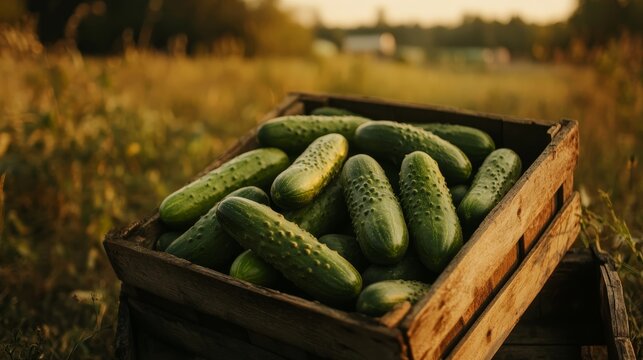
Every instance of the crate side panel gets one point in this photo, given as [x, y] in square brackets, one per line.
[284, 317]
[455, 289]
[487, 334]
[536, 228]
[566, 311]
[526, 140]
[195, 339]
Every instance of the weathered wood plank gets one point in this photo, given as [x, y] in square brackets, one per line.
[284, 317]
[392, 318]
[488, 332]
[536, 228]
[432, 319]
[193, 338]
[123, 344]
[614, 314]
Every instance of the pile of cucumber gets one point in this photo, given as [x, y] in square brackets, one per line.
[366, 215]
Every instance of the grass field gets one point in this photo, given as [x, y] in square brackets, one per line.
[89, 144]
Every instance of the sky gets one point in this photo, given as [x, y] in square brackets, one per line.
[428, 12]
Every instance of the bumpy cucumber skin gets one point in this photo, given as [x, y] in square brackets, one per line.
[388, 138]
[331, 111]
[205, 243]
[374, 210]
[475, 143]
[324, 214]
[166, 239]
[295, 253]
[379, 298]
[251, 268]
[302, 181]
[254, 168]
[431, 217]
[347, 246]
[295, 132]
[409, 268]
[457, 193]
[497, 174]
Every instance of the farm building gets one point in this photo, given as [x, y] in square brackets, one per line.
[376, 44]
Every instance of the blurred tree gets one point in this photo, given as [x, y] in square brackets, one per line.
[271, 30]
[597, 21]
[99, 27]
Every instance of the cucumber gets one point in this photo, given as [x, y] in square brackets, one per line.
[379, 298]
[374, 210]
[295, 253]
[295, 132]
[249, 267]
[457, 193]
[475, 143]
[166, 239]
[254, 168]
[432, 219]
[497, 174]
[347, 246]
[325, 214]
[409, 268]
[302, 181]
[395, 140]
[206, 244]
[331, 111]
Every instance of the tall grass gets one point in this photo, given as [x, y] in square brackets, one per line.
[88, 144]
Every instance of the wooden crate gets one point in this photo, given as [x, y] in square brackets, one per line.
[471, 307]
[579, 314]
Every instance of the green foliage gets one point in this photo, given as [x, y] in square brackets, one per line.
[610, 235]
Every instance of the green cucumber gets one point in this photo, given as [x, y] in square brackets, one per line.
[409, 268]
[457, 193]
[205, 243]
[251, 268]
[325, 214]
[295, 253]
[255, 168]
[475, 143]
[166, 239]
[432, 219]
[497, 174]
[395, 140]
[302, 181]
[374, 210]
[347, 246]
[294, 133]
[331, 111]
[379, 298]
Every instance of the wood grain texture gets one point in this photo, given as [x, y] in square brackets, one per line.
[192, 338]
[392, 318]
[305, 324]
[488, 332]
[536, 228]
[614, 314]
[432, 319]
[123, 341]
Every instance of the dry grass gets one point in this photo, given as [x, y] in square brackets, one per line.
[89, 144]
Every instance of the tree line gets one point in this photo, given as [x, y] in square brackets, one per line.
[262, 27]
